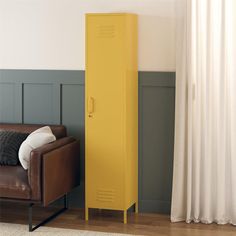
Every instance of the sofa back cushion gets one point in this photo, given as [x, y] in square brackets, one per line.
[58, 130]
[10, 142]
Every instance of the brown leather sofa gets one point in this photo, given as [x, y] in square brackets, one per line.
[53, 172]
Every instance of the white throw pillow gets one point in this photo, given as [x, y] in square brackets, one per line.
[36, 139]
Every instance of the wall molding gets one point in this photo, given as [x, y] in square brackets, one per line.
[161, 84]
[57, 97]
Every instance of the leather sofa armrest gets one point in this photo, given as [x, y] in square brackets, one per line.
[51, 166]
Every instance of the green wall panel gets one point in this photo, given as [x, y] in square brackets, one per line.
[57, 97]
[156, 141]
[38, 104]
[72, 105]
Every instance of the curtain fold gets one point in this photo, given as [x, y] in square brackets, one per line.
[204, 178]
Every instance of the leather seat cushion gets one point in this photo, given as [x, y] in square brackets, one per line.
[14, 182]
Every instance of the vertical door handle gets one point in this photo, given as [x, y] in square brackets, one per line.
[90, 106]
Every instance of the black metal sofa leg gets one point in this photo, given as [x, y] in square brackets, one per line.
[32, 228]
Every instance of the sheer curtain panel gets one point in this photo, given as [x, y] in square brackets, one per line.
[204, 180]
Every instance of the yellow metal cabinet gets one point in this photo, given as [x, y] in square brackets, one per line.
[111, 113]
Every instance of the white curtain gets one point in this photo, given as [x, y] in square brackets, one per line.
[204, 180]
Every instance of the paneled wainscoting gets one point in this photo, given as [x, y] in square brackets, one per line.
[57, 97]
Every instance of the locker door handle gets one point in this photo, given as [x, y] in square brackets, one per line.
[90, 106]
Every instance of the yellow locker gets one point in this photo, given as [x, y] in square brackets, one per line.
[111, 112]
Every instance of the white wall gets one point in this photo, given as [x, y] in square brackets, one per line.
[49, 34]
[234, 38]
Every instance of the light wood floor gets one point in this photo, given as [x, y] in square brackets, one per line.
[111, 221]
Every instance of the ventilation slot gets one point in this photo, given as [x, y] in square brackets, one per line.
[105, 195]
[106, 31]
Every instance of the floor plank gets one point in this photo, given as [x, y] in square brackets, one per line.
[111, 221]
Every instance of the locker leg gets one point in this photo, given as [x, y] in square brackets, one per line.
[136, 207]
[86, 213]
[125, 217]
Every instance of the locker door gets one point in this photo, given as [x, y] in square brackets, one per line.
[104, 111]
